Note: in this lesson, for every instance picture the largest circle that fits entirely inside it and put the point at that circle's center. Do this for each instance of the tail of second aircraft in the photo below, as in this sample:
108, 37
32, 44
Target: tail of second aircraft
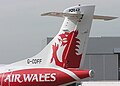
68, 47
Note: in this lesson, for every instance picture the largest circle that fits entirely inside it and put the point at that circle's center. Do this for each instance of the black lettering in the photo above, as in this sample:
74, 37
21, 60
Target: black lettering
71, 10
81, 17
74, 10
28, 61
78, 9
34, 61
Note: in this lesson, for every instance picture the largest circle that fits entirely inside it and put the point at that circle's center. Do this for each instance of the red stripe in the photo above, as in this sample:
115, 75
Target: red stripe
54, 77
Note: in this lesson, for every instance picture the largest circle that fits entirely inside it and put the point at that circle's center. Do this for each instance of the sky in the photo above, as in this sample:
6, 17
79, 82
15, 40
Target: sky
23, 31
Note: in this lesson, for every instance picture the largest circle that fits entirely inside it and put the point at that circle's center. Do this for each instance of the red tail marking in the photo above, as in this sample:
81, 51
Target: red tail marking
70, 57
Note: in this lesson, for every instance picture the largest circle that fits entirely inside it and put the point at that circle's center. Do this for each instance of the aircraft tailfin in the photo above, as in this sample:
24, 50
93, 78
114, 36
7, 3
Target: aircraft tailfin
68, 47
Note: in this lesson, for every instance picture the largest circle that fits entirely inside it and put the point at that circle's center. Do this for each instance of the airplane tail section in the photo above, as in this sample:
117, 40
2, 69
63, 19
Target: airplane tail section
68, 47
69, 51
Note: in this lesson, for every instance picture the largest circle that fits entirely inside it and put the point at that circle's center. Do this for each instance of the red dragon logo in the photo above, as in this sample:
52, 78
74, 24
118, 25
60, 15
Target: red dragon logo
70, 57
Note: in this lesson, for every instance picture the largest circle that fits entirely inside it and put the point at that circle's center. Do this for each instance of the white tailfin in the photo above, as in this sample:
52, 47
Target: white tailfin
68, 47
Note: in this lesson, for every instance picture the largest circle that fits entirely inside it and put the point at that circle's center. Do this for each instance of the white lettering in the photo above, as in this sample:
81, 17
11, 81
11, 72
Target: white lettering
7, 78
53, 77
13, 76
17, 78
47, 77
28, 77
41, 78
35, 78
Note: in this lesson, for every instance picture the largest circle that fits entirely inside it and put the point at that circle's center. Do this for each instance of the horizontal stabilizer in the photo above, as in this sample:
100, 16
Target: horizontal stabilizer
61, 14
106, 18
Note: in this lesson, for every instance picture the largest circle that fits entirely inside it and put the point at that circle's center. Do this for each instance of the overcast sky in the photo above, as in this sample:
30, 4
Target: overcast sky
23, 31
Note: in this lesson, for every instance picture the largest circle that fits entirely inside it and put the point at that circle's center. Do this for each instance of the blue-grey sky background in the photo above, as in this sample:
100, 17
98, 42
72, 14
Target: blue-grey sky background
23, 32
